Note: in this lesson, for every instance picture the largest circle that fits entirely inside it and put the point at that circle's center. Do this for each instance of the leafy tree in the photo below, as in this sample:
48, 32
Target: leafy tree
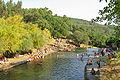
111, 13
16, 35
80, 38
98, 34
11, 30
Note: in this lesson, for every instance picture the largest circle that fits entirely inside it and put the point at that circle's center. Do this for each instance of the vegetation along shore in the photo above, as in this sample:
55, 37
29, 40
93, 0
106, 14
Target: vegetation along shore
28, 34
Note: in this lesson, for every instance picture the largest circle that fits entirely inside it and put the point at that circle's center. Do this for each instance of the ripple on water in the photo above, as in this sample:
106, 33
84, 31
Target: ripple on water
61, 68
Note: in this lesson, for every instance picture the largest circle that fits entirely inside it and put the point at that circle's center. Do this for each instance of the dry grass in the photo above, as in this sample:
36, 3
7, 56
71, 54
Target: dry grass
111, 71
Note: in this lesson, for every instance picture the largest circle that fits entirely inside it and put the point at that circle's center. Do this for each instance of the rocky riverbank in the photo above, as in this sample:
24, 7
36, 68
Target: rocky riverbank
111, 71
22, 59
88, 68
109, 67
57, 45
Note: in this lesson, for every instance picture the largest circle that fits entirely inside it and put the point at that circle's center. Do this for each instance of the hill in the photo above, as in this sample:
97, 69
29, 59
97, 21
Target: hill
97, 33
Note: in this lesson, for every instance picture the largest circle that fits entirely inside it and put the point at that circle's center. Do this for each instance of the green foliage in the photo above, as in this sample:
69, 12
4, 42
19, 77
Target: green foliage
98, 34
58, 26
11, 30
118, 55
79, 37
27, 42
111, 14
10, 8
39, 37
16, 35
40, 24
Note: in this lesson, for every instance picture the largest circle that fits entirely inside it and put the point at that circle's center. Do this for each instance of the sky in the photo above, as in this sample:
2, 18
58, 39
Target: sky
81, 9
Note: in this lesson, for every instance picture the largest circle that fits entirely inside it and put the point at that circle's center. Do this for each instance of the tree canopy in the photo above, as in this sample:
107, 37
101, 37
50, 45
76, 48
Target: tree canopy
111, 14
22, 29
17, 35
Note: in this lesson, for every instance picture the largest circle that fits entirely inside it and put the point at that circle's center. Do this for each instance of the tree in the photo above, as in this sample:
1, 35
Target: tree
11, 32
80, 38
111, 13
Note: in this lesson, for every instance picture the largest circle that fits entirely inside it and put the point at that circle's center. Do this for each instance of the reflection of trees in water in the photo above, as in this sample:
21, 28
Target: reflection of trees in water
52, 68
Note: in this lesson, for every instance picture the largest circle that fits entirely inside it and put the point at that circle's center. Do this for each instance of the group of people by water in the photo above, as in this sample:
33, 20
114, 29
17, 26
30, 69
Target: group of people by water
81, 56
107, 52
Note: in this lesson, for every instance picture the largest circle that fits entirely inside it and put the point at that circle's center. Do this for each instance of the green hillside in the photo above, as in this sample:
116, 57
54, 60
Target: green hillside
97, 33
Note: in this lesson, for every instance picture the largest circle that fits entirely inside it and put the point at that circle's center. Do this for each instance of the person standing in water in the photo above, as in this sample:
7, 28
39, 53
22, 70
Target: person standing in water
77, 55
81, 57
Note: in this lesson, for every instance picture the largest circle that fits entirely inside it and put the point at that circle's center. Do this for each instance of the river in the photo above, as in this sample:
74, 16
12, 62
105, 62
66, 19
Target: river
67, 67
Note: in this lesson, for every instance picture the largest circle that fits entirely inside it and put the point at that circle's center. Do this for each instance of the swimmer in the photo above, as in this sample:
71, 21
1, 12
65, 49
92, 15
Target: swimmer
82, 57
77, 55
88, 55
62, 55
57, 55
40, 64
71, 54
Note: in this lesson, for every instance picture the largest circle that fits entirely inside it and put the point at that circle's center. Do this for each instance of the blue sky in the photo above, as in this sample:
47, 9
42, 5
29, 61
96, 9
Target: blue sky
82, 9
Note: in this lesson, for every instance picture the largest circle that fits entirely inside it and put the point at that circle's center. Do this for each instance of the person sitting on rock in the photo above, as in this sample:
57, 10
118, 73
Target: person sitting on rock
98, 72
98, 63
109, 57
93, 71
89, 62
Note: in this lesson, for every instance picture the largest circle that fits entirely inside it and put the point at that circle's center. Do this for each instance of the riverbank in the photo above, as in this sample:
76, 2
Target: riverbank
88, 68
111, 71
57, 45
22, 59
109, 68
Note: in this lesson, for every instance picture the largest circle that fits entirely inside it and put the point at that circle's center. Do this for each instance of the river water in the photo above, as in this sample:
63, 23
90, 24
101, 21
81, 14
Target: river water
67, 67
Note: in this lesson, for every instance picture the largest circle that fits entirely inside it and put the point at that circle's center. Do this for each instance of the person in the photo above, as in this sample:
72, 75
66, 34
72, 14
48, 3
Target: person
88, 55
71, 54
77, 55
117, 49
82, 57
98, 72
40, 64
89, 62
98, 64
106, 49
95, 53
99, 50
109, 56
62, 55
102, 52
57, 56
5, 60
93, 71
113, 55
